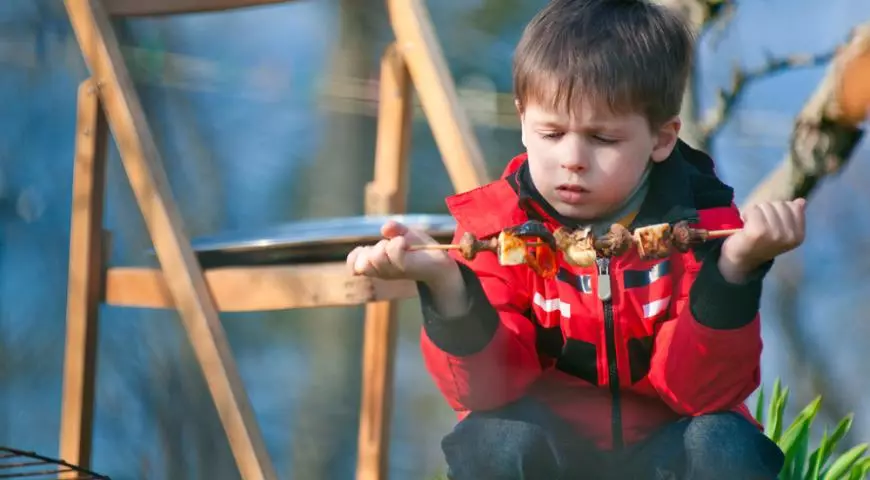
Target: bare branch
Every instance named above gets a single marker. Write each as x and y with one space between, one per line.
827 129
727 99
716 26
713 15
701 13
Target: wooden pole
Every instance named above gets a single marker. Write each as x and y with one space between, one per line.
85 278
386 194
418 44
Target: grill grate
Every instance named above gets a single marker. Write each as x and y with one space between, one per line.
20 464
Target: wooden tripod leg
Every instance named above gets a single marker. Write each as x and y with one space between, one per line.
181 270
417 42
386 194
86 269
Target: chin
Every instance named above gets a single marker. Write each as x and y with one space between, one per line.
578 212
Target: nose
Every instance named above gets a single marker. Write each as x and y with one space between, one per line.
575 156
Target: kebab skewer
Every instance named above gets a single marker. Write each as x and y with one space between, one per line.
581 247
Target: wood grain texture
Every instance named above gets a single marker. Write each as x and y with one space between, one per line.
136 8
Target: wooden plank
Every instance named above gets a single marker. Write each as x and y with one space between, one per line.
419 46
85 278
132 8
252 289
182 272
386 194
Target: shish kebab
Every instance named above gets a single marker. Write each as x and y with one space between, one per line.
581 247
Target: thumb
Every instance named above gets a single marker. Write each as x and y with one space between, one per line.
393 229
417 237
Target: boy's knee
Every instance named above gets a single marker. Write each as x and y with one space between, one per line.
523 440
496 448
723 445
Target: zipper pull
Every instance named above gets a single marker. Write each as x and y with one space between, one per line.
604 279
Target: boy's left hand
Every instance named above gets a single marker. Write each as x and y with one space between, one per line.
769 230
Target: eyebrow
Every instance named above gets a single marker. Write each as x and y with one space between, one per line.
591 126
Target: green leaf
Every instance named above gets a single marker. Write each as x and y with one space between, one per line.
860 469
759 406
841 467
818 458
795 440
842 429
771 406
777 409
829 445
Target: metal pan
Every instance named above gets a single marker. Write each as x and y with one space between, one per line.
309 241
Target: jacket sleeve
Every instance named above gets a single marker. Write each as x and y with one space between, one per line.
707 356
486 357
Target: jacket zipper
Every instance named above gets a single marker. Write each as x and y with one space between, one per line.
604 294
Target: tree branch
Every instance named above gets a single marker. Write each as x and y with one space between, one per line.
727 99
701 15
827 128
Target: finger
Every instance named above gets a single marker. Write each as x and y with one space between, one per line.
396 250
786 217
748 214
351 260
392 229
418 237
799 218
772 224
379 260
800 203
361 263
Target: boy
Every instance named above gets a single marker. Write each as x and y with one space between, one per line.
631 368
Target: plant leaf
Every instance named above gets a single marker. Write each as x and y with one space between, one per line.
842 429
795 440
759 406
771 407
777 414
860 469
842 465
818 457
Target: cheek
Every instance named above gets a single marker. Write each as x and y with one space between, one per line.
543 152
619 169
610 162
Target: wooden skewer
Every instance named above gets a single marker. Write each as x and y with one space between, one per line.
721 233
436 246
711 234
453 246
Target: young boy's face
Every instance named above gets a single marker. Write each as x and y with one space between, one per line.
587 163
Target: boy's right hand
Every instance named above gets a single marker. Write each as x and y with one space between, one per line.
390 259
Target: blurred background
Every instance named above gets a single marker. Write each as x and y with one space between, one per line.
266 115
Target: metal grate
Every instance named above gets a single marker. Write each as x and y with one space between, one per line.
20 464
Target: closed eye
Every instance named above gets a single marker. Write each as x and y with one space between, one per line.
605 140
552 135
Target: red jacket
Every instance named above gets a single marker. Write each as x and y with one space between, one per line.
674 338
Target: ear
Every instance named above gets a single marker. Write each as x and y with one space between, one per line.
522 116
665 138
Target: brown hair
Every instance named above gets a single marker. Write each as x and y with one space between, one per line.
629 55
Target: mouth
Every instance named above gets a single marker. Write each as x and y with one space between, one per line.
571 194
571 188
